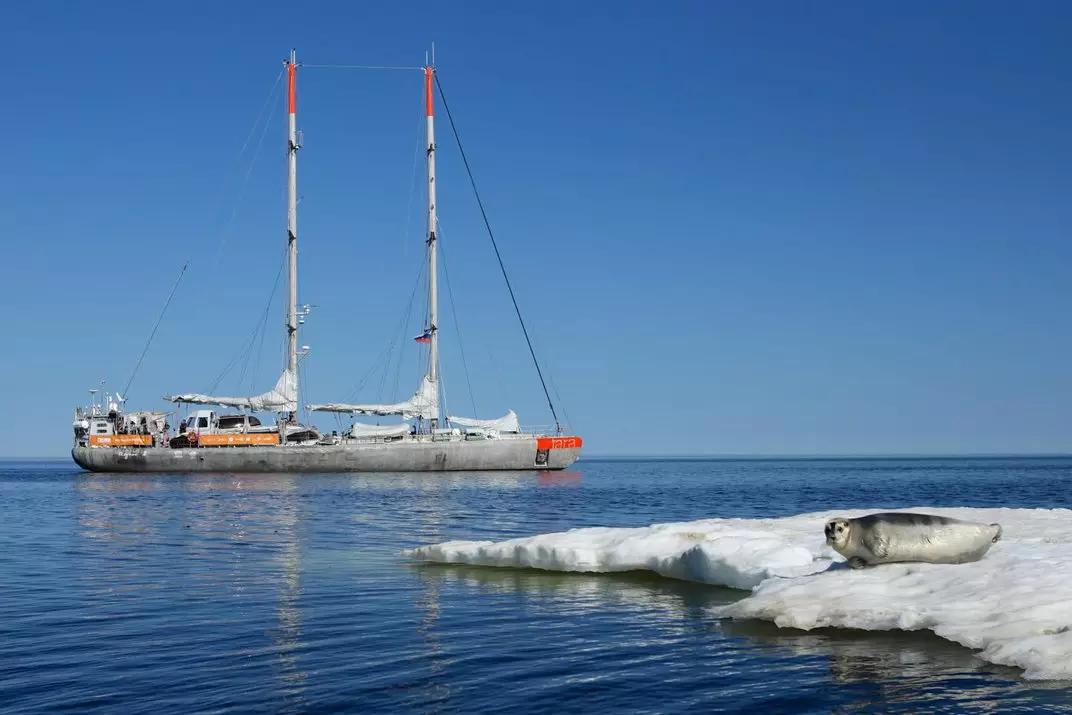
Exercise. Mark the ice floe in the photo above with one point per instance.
(1014, 606)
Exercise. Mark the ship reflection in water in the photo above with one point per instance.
(234, 563)
(219, 561)
(272, 482)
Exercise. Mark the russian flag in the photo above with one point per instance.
(425, 337)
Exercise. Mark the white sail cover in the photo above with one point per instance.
(360, 430)
(506, 423)
(423, 404)
(281, 398)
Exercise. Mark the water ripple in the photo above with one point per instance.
(276, 593)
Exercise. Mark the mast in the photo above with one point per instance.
(433, 300)
(292, 223)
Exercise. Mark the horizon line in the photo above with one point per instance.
(739, 456)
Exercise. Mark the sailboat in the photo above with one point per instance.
(107, 438)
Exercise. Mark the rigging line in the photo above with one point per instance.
(406, 323)
(565, 412)
(443, 404)
(386, 359)
(401, 351)
(247, 353)
(242, 351)
(383, 377)
(263, 327)
(508, 397)
(247, 345)
(231, 363)
(187, 262)
(245, 182)
(403, 326)
(495, 245)
(385, 354)
(355, 391)
(405, 243)
(253, 129)
(148, 342)
(362, 67)
(399, 339)
(413, 183)
(257, 121)
(227, 369)
(304, 415)
(405, 252)
(454, 313)
(558, 395)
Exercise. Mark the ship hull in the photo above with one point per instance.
(416, 456)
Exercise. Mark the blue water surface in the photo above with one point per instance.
(287, 594)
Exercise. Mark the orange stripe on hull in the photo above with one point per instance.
(559, 443)
(237, 440)
(120, 440)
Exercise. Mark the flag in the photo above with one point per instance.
(425, 337)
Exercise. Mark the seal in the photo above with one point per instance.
(893, 536)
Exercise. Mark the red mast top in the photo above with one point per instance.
(427, 90)
(292, 98)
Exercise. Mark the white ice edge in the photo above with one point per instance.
(1014, 606)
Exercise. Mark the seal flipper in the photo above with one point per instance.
(857, 563)
(997, 536)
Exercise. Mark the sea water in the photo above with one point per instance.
(280, 593)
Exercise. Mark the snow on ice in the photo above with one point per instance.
(1014, 605)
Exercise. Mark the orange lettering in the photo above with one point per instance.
(559, 443)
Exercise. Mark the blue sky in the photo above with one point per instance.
(745, 228)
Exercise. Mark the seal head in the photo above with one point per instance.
(837, 533)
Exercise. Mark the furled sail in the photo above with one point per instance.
(506, 423)
(424, 404)
(281, 398)
(362, 430)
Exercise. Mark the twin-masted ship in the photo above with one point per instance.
(224, 434)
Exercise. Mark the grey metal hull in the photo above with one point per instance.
(486, 455)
